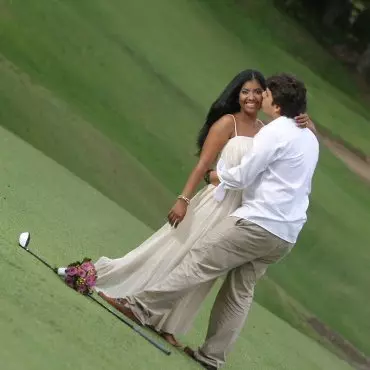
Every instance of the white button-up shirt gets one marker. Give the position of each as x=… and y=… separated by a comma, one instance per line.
x=275, y=177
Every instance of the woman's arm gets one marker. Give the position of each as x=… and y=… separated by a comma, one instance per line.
x=304, y=121
x=311, y=126
x=218, y=136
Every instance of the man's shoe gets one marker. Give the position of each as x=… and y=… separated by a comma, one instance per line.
x=191, y=353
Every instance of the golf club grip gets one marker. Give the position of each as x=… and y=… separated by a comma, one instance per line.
x=133, y=327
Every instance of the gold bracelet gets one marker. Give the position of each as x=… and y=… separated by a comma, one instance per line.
x=183, y=197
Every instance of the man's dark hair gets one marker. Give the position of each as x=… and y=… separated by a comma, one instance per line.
x=288, y=93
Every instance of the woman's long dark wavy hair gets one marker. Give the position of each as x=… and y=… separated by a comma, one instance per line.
x=228, y=101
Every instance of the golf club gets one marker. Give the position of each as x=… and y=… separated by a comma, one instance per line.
x=24, y=240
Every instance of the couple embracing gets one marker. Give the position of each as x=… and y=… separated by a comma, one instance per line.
x=248, y=216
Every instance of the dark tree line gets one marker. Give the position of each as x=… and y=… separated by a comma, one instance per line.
x=337, y=22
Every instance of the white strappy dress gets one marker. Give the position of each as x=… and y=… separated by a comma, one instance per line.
x=153, y=260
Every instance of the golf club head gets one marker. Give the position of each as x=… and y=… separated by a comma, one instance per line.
x=24, y=239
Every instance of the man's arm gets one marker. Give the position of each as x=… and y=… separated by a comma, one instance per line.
x=265, y=150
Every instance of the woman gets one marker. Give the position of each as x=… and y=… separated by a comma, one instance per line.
x=228, y=131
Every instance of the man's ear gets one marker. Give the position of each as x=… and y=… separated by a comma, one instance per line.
x=277, y=109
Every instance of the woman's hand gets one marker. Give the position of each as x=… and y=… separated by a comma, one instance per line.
x=218, y=136
x=177, y=213
x=303, y=120
x=213, y=178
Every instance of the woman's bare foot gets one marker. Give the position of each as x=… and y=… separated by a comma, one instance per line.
x=170, y=338
x=120, y=305
x=117, y=303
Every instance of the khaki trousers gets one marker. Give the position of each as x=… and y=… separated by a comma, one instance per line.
x=235, y=247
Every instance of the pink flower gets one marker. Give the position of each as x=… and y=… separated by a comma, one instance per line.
x=92, y=274
x=87, y=266
x=81, y=289
x=71, y=271
x=81, y=272
x=90, y=281
x=69, y=280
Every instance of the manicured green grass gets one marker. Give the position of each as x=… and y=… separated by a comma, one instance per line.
x=116, y=91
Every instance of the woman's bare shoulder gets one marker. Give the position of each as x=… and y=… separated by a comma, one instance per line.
x=225, y=123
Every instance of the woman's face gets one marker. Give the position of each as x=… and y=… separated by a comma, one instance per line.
x=250, y=97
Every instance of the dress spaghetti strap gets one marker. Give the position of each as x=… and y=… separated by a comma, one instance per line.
x=236, y=132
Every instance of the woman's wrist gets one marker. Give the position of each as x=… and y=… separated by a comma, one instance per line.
x=207, y=178
x=184, y=199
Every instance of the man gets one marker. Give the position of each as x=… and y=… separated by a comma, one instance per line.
x=277, y=177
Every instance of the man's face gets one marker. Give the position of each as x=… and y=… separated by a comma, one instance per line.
x=268, y=107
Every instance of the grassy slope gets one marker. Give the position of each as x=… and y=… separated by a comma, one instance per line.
x=45, y=325
x=53, y=126
x=116, y=91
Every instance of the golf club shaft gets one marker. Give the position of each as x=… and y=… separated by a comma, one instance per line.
x=134, y=327
x=40, y=259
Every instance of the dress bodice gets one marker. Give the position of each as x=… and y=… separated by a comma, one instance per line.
x=235, y=149
x=231, y=155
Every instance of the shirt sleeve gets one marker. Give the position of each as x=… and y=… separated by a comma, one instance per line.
x=263, y=152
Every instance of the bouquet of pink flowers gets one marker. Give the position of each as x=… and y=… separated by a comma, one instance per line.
x=81, y=276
